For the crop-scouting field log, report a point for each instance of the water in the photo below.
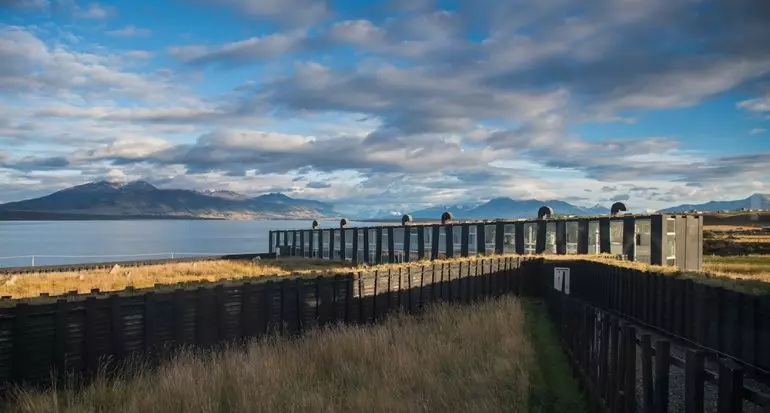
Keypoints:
(73, 242)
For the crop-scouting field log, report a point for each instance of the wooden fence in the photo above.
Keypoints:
(624, 370)
(76, 334)
(720, 321)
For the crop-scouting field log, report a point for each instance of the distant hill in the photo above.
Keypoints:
(507, 208)
(756, 201)
(142, 199)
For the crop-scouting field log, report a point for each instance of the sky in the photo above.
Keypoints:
(390, 105)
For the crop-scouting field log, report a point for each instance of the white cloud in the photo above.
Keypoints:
(757, 131)
(94, 11)
(761, 104)
(35, 67)
(139, 54)
(130, 31)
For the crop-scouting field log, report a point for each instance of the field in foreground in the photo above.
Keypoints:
(494, 356)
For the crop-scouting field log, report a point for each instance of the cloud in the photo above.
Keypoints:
(139, 54)
(623, 197)
(33, 66)
(244, 51)
(757, 131)
(130, 31)
(293, 12)
(94, 11)
(25, 5)
(318, 185)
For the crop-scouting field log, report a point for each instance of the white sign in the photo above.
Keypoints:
(561, 278)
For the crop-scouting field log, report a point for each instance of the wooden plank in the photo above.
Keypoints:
(662, 370)
(604, 356)
(149, 319)
(695, 379)
(614, 358)
(629, 389)
(20, 355)
(61, 335)
(647, 381)
(730, 387)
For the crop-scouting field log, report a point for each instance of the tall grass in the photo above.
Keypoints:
(57, 283)
(475, 358)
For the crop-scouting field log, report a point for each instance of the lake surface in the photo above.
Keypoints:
(73, 242)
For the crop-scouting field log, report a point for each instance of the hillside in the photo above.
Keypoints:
(507, 208)
(756, 201)
(142, 199)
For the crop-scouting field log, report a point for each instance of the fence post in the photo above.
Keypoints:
(614, 358)
(695, 378)
(19, 345)
(603, 356)
(61, 335)
(730, 387)
(629, 390)
(662, 367)
(647, 373)
(116, 326)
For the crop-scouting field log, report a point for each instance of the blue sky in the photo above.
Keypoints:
(390, 105)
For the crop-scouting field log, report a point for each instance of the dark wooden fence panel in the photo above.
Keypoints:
(76, 334)
(725, 321)
(622, 371)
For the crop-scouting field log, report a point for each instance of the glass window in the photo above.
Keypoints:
(509, 239)
(530, 238)
(457, 232)
(594, 245)
(472, 240)
(428, 234)
(385, 245)
(337, 244)
(490, 238)
(670, 241)
(441, 238)
(326, 238)
(643, 249)
(398, 239)
(616, 237)
(360, 251)
(372, 245)
(572, 237)
(414, 239)
(316, 242)
(550, 238)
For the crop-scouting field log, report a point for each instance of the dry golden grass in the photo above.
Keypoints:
(744, 273)
(474, 358)
(31, 285)
(106, 280)
(744, 266)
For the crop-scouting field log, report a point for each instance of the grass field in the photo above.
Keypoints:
(494, 356)
(741, 266)
(31, 285)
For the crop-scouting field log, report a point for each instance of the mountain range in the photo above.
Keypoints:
(756, 201)
(142, 199)
(507, 207)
